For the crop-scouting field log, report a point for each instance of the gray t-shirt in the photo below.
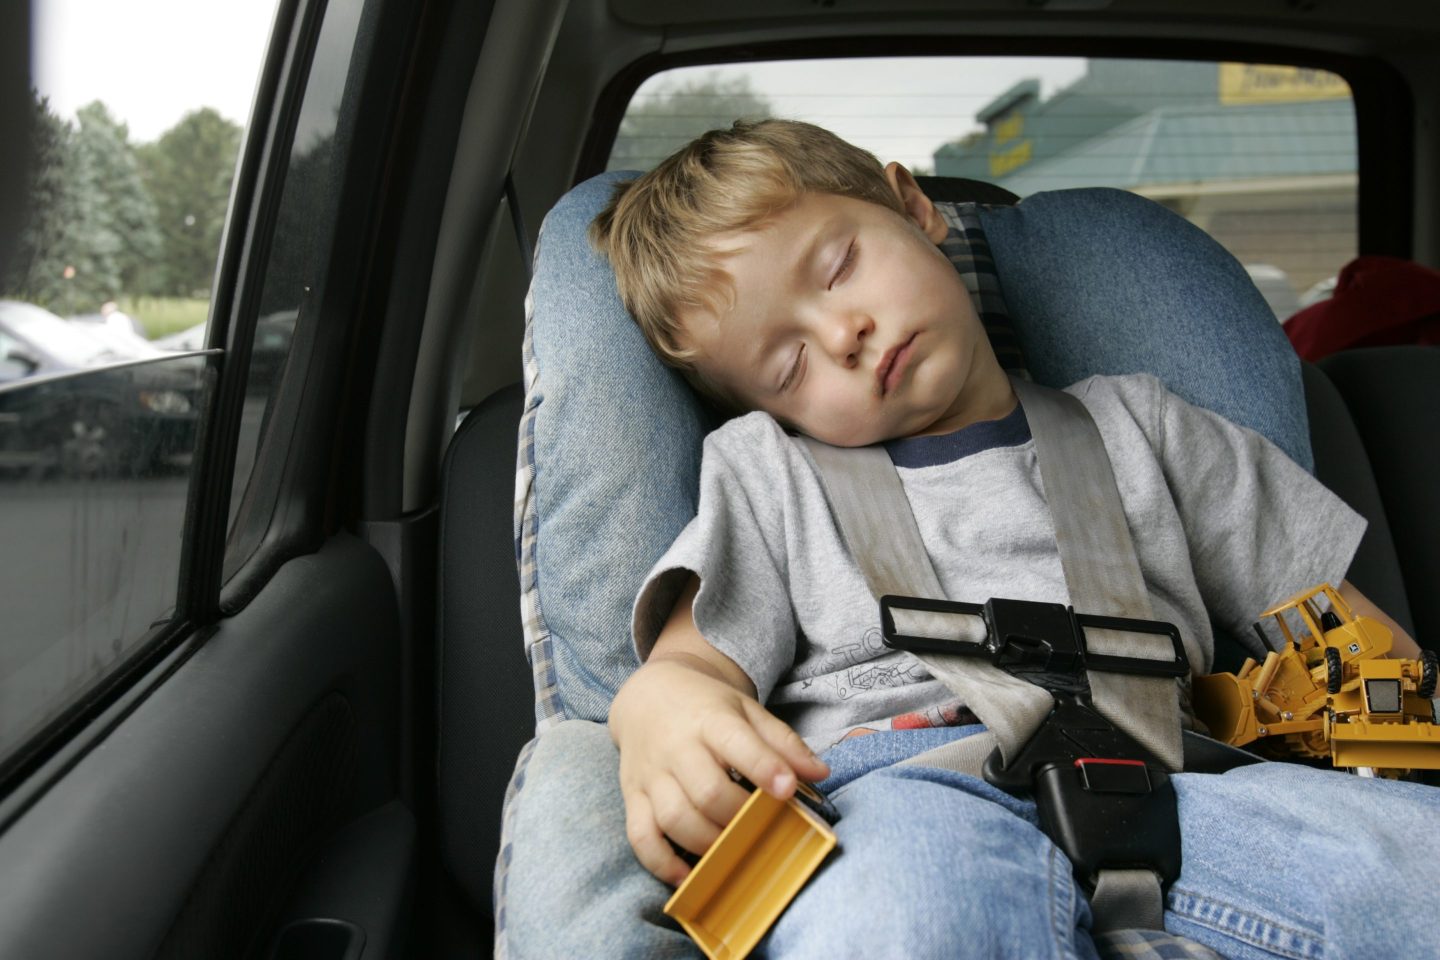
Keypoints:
(1225, 526)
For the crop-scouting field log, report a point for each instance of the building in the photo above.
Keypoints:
(1262, 157)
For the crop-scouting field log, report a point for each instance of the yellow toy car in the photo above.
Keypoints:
(1331, 692)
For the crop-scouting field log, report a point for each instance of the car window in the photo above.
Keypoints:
(137, 120)
(1261, 156)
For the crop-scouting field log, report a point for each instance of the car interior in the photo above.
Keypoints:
(309, 755)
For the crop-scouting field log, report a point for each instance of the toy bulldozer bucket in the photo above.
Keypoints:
(1224, 701)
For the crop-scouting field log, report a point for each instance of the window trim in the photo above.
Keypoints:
(299, 502)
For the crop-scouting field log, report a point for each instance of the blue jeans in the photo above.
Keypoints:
(1279, 861)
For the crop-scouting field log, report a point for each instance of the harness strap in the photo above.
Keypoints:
(1102, 574)
(1128, 899)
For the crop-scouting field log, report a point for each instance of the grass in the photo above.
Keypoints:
(165, 315)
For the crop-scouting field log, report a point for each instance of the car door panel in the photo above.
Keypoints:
(184, 831)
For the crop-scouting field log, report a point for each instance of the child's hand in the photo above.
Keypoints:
(681, 726)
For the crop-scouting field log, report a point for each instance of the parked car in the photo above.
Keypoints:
(38, 342)
(112, 319)
(290, 735)
(85, 404)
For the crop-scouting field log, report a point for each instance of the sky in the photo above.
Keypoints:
(152, 61)
(899, 108)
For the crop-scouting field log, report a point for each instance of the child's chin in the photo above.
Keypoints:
(851, 438)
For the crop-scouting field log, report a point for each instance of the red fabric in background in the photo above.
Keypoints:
(1378, 301)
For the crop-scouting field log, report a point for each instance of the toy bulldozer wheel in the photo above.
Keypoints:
(1429, 667)
(1333, 675)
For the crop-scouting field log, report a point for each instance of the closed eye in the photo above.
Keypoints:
(792, 376)
(846, 266)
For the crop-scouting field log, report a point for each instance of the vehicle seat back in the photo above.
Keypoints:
(1393, 395)
(486, 700)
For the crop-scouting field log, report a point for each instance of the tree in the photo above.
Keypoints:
(53, 217)
(126, 239)
(188, 173)
(663, 122)
(89, 232)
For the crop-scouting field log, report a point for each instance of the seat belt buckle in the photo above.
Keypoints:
(1110, 813)
(1045, 643)
(1101, 796)
(1104, 800)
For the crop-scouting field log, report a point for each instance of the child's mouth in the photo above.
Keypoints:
(892, 366)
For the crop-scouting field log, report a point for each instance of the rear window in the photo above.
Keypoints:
(1261, 156)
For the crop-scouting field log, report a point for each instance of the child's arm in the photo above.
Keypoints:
(1404, 645)
(682, 722)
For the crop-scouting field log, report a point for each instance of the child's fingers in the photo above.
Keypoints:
(709, 786)
(736, 743)
(679, 818)
(785, 741)
(651, 848)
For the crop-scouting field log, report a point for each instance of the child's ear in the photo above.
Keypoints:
(917, 206)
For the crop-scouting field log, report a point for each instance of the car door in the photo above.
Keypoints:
(209, 745)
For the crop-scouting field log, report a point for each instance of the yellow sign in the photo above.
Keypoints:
(1246, 83)
(1004, 161)
(1009, 128)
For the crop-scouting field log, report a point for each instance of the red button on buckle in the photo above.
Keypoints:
(1113, 775)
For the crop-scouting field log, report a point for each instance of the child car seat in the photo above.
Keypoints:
(1097, 281)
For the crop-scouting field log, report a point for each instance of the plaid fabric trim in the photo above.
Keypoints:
(966, 247)
(539, 645)
(502, 862)
(1150, 945)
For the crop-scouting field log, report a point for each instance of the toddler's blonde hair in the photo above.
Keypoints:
(656, 229)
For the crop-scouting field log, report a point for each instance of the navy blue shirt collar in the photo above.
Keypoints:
(1010, 430)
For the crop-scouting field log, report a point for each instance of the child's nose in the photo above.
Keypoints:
(847, 335)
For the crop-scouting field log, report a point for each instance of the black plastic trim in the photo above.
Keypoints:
(292, 493)
(239, 280)
(17, 119)
(28, 773)
(408, 233)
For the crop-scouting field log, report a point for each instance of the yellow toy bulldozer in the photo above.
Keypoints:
(1329, 693)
